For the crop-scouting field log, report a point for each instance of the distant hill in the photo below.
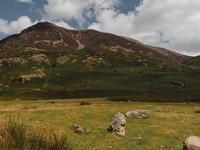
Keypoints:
(193, 61)
(47, 61)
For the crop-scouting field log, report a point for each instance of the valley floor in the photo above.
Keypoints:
(169, 123)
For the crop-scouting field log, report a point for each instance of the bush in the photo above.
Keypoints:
(85, 103)
(16, 135)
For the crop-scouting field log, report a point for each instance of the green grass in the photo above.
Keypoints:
(62, 83)
(169, 123)
(127, 75)
(195, 61)
(16, 135)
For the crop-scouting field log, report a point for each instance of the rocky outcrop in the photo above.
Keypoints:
(96, 61)
(194, 69)
(13, 61)
(192, 143)
(63, 60)
(139, 114)
(37, 74)
(118, 124)
(40, 58)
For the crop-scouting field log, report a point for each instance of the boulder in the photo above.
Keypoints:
(192, 143)
(118, 124)
(139, 114)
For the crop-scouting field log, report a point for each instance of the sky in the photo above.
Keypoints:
(172, 24)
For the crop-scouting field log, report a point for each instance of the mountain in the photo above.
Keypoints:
(51, 37)
(47, 61)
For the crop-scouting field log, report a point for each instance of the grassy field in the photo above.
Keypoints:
(167, 127)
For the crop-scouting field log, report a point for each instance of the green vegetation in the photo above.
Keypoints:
(16, 135)
(68, 73)
(195, 61)
(104, 83)
(169, 123)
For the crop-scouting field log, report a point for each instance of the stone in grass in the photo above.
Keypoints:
(192, 143)
(78, 129)
(118, 124)
(139, 114)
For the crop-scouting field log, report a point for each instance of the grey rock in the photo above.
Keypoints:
(78, 129)
(192, 143)
(118, 124)
(88, 131)
(139, 114)
(75, 126)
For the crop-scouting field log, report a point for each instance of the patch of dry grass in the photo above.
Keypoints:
(168, 125)
(14, 134)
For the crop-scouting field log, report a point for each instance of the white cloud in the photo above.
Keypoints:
(25, 1)
(114, 22)
(63, 24)
(15, 26)
(178, 21)
(78, 10)
(171, 24)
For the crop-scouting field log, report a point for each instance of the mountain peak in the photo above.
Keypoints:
(40, 26)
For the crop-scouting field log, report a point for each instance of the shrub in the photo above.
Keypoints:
(85, 103)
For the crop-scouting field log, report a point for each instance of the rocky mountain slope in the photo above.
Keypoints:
(51, 60)
(47, 36)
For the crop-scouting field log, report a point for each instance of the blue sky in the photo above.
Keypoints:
(13, 9)
(173, 24)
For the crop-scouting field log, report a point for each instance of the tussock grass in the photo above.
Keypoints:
(16, 135)
(50, 141)
(13, 133)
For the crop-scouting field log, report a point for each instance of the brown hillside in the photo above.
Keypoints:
(47, 36)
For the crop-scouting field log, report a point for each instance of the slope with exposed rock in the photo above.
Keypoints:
(45, 57)
(47, 36)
